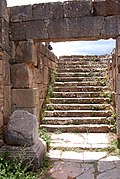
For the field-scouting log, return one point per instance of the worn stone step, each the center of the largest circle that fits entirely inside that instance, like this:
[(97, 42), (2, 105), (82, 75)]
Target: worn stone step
[(78, 94), (84, 58), (81, 83), (78, 106), (81, 140), (82, 62), (82, 89), (78, 113), (82, 70), (91, 66), (80, 100), (96, 128), (79, 79), (76, 120), (83, 74)]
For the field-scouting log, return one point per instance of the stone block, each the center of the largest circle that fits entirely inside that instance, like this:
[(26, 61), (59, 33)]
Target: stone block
[(22, 129), (6, 103), (4, 10), (33, 111), (6, 69), (1, 121), (48, 10), (89, 27), (20, 13), (111, 26), (25, 51), (4, 35), (58, 28), (25, 97), (22, 76), (45, 79), (34, 153), (118, 47), (37, 76), (106, 8), (18, 31), (36, 30), (77, 8)]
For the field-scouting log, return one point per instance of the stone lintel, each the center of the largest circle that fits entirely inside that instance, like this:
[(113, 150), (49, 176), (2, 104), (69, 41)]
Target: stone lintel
[(85, 28)]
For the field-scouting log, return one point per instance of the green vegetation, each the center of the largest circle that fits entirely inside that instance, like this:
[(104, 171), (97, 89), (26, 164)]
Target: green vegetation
[(18, 170), (15, 169), (113, 129), (45, 135)]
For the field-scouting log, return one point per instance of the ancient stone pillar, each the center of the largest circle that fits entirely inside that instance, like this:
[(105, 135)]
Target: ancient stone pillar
[(5, 52)]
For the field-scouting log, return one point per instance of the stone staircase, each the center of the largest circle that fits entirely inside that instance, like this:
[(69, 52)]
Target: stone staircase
[(81, 96), (78, 116)]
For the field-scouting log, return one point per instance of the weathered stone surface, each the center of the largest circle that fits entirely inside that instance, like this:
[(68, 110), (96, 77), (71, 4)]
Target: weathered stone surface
[(38, 28), (4, 10), (6, 103), (118, 48), (22, 129), (48, 10), (109, 168), (77, 8), (46, 77), (18, 31), (20, 13), (25, 97), (112, 26), (106, 8), (25, 51), (6, 69), (34, 153), (21, 76), (37, 76), (34, 110), (118, 84), (4, 35), (88, 27)]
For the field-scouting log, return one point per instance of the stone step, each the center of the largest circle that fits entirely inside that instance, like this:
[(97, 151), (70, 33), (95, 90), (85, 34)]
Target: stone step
[(72, 59), (78, 106), (82, 62), (78, 94), (86, 74), (79, 79), (78, 113), (82, 89), (80, 100), (81, 140), (91, 66), (96, 128), (76, 120), (82, 83), (82, 70)]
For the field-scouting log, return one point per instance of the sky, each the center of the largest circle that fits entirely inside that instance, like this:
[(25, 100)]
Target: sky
[(99, 47)]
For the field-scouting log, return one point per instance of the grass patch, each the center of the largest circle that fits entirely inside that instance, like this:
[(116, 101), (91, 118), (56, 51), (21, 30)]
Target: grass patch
[(45, 135), (16, 169)]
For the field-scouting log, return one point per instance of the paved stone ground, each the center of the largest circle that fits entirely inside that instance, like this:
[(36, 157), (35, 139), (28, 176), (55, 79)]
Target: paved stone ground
[(82, 164)]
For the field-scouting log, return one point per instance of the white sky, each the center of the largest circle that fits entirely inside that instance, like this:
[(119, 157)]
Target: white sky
[(72, 48)]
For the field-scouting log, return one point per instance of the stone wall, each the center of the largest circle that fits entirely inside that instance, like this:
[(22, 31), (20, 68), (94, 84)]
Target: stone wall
[(91, 20), (31, 68), (5, 56)]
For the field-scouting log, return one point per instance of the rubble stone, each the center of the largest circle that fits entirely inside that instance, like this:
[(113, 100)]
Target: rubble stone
[(22, 129)]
